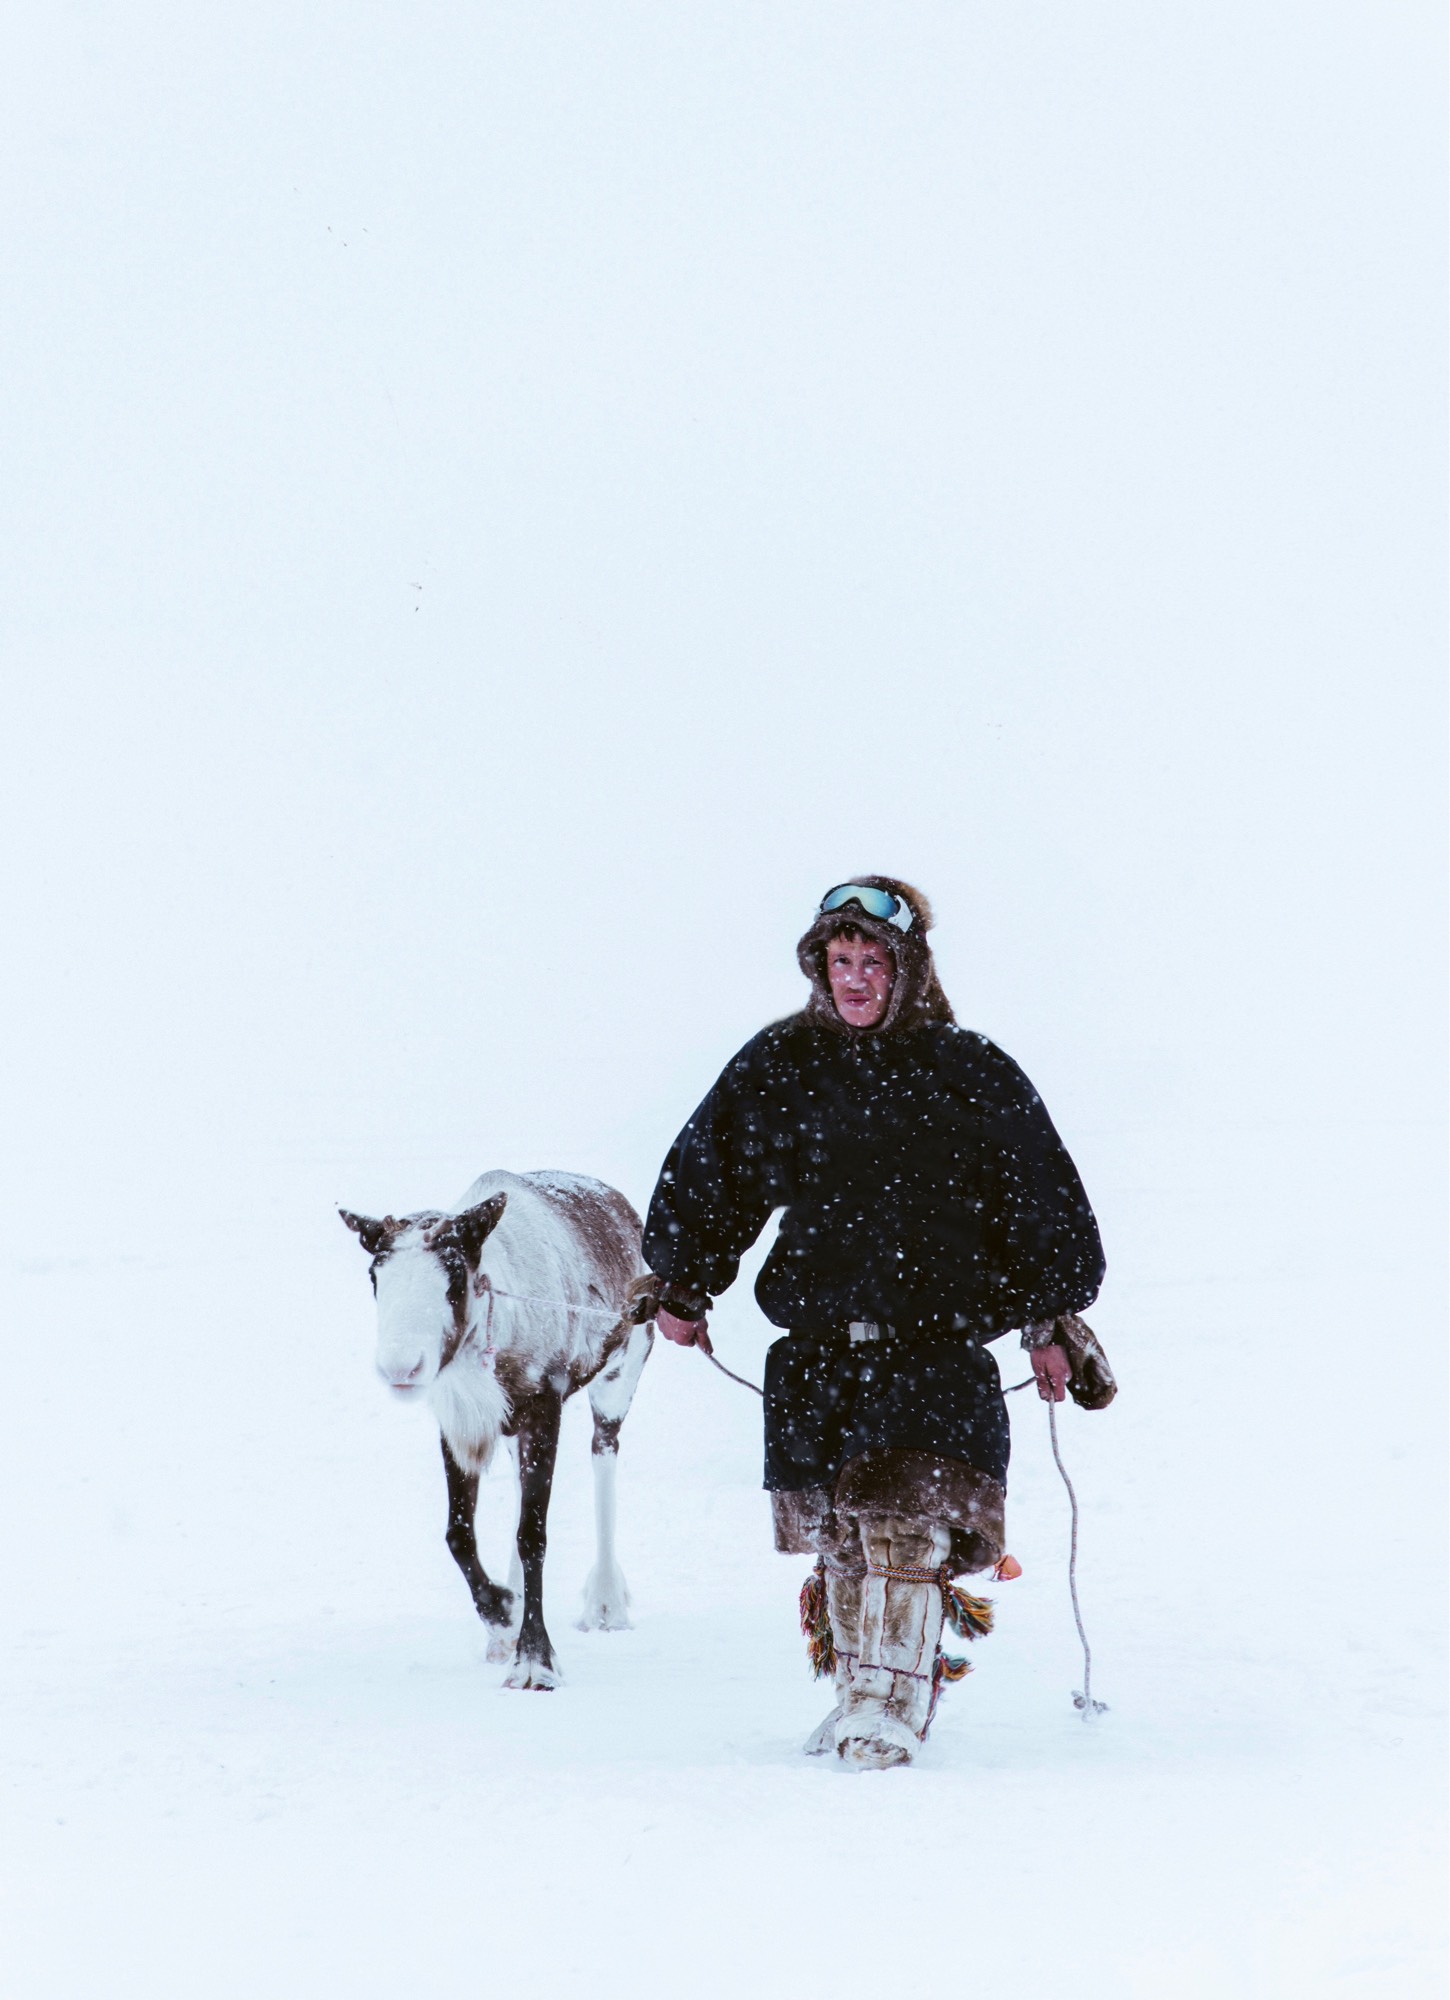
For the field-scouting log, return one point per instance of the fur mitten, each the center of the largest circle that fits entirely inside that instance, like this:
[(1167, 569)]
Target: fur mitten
[(1091, 1384)]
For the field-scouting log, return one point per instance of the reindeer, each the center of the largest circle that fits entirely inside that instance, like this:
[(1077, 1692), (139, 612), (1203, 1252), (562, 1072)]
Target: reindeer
[(496, 1314)]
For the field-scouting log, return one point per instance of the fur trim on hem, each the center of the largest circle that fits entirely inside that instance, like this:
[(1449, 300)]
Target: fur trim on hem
[(910, 1485), (919, 1485), (802, 1520)]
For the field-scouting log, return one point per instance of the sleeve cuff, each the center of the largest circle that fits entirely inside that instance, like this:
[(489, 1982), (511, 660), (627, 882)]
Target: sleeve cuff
[(684, 1302), (1041, 1333)]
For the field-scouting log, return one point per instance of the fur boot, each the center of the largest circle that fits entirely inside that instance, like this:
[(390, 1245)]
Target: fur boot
[(887, 1702), (843, 1599)]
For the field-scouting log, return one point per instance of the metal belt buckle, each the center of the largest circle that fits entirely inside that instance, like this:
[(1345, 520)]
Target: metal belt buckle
[(864, 1329)]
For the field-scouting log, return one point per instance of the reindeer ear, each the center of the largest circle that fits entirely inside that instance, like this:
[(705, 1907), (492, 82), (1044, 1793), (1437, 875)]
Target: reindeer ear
[(372, 1234), (471, 1229)]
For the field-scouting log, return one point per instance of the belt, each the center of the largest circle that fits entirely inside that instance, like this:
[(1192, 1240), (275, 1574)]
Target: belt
[(869, 1329)]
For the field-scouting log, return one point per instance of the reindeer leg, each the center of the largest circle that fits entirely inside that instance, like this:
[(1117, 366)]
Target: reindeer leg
[(538, 1435), (516, 1568), (493, 1604), (502, 1638), (606, 1594)]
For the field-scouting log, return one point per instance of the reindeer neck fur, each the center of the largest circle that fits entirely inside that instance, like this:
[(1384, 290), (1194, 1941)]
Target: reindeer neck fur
[(470, 1405), (466, 1395), (562, 1242)]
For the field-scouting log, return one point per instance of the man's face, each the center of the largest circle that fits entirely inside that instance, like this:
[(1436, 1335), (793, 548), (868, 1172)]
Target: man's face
[(862, 974)]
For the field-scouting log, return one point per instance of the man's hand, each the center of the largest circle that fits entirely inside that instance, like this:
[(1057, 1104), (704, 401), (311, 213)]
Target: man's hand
[(1050, 1366), (689, 1332)]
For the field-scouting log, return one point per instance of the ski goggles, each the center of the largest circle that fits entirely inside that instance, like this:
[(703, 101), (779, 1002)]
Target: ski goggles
[(878, 903)]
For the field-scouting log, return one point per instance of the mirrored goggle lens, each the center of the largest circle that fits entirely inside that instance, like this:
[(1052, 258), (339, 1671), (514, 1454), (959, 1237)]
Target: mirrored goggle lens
[(878, 903)]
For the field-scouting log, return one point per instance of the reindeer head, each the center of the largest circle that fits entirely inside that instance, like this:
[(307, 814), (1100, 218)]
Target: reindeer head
[(422, 1271)]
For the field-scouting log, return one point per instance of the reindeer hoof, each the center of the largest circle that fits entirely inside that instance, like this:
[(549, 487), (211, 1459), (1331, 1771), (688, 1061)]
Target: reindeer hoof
[(606, 1606), (533, 1674), (500, 1646), (605, 1618)]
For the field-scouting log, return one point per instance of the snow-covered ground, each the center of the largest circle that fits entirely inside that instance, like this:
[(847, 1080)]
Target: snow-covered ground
[(499, 508), (254, 1747)]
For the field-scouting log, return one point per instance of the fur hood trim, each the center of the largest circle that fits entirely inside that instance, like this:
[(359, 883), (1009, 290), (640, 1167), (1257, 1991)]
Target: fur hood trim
[(916, 994)]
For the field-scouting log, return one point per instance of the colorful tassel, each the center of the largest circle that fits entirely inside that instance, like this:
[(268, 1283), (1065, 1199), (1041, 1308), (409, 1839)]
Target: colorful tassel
[(969, 1617), (816, 1622), (945, 1670)]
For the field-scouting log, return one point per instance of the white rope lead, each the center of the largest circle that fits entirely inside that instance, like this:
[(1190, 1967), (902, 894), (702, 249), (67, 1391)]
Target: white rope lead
[(484, 1284), (1083, 1701)]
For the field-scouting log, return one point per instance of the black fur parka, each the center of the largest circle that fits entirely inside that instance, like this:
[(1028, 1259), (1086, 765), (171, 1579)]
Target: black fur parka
[(923, 1183)]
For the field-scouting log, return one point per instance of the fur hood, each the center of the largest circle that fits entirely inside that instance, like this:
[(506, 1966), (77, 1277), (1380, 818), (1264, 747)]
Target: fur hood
[(916, 995)]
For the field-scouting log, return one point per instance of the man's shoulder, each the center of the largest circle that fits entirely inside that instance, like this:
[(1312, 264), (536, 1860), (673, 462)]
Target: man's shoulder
[(783, 1051), (963, 1045), (976, 1058), (789, 1041)]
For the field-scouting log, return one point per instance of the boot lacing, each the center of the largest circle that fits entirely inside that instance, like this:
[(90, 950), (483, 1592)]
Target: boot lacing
[(911, 1573)]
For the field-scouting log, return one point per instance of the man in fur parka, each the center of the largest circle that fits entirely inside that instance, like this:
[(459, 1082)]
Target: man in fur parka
[(928, 1208)]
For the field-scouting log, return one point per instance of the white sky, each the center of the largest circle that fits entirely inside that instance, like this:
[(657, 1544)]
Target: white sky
[(503, 505)]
